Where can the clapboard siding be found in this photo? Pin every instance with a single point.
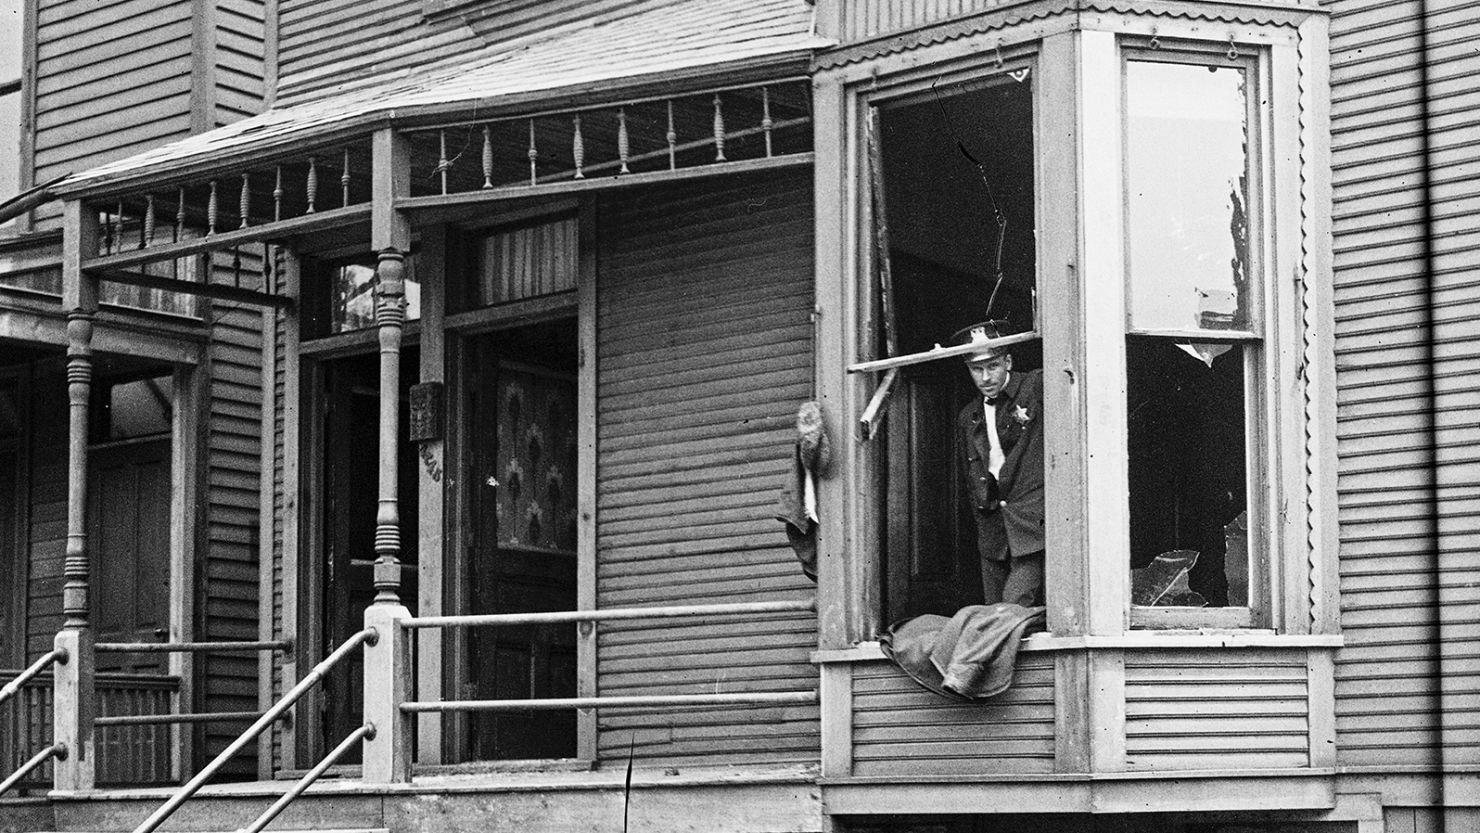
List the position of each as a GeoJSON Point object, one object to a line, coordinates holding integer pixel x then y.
{"type": "Point", "coordinates": [112, 80]}
{"type": "Point", "coordinates": [704, 354]}
{"type": "Point", "coordinates": [229, 579]}
{"type": "Point", "coordinates": [900, 728]}
{"type": "Point", "coordinates": [863, 19]}
{"type": "Point", "coordinates": [47, 538]}
{"type": "Point", "coordinates": [1185, 710]}
{"type": "Point", "coordinates": [1408, 350]}
{"type": "Point", "coordinates": [331, 43]}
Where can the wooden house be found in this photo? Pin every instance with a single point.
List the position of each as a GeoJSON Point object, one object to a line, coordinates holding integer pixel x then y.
{"type": "Point", "coordinates": [489, 337]}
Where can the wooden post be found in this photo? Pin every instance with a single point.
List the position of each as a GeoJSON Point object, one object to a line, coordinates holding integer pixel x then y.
{"type": "Point", "coordinates": [390, 316]}
{"type": "Point", "coordinates": [431, 496]}
{"type": "Point", "coordinates": [390, 236]}
{"type": "Point", "coordinates": [387, 753]}
{"type": "Point", "coordinates": [387, 680]}
{"type": "Point", "coordinates": [73, 706]}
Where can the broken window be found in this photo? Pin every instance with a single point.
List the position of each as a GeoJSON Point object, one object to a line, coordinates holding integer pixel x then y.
{"type": "Point", "coordinates": [952, 173]}
{"type": "Point", "coordinates": [1192, 345]}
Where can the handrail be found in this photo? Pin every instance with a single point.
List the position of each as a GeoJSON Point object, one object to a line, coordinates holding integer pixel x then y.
{"type": "Point", "coordinates": [365, 732]}
{"type": "Point", "coordinates": [759, 698]}
{"type": "Point", "coordinates": [179, 717]}
{"type": "Point", "coordinates": [563, 616]}
{"type": "Point", "coordinates": [56, 750]}
{"type": "Point", "coordinates": [190, 647]}
{"type": "Point", "coordinates": [14, 686]}
{"type": "Point", "coordinates": [268, 717]}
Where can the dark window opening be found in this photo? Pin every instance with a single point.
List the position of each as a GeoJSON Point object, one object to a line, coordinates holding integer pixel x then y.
{"type": "Point", "coordinates": [940, 220]}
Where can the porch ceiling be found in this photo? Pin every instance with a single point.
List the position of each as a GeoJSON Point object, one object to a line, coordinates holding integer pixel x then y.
{"type": "Point", "coordinates": [657, 43]}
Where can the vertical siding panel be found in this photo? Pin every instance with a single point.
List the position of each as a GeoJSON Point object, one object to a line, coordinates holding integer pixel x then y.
{"type": "Point", "coordinates": [1407, 429]}
{"type": "Point", "coordinates": [704, 353]}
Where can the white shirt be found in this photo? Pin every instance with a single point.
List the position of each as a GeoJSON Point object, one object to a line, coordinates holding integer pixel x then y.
{"type": "Point", "coordinates": [995, 457]}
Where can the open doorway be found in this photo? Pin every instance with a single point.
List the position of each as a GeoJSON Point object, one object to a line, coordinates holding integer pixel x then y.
{"type": "Point", "coordinates": [945, 217]}
{"type": "Point", "coordinates": [521, 414]}
{"type": "Point", "coordinates": [344, 585]}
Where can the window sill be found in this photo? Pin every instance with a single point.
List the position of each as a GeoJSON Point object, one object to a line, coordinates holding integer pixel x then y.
{"type": "Point", "coordinates": [870, 651]}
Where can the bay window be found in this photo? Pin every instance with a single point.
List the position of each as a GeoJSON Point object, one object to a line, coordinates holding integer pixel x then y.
{"type": "Point", "coordinates": [1144, 190]}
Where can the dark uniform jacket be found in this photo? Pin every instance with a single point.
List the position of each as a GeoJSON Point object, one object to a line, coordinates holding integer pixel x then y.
{"type": "Point", "coordinates": [1008, 510]}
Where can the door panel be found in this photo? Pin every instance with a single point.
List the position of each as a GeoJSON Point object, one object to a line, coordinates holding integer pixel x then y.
{"type": "Point", "coordinates": [129, 523]}
{"type": "Point", "coordinates": [522, 556]}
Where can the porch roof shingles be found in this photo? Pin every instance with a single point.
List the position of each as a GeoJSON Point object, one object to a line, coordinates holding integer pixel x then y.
{"type": "Point", "coordinates": [643, 45]}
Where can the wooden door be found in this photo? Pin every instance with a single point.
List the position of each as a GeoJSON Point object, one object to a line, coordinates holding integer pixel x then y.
{"type": "Point", "coordinates": [932, 563]}
{"type": "Point", "coordinates": [522, 554]}
{"type": "Point", "coordinates": [129, 545]}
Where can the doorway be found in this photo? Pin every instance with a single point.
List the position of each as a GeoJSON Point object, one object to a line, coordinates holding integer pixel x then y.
{"type": "Point", "coordinates": [128, 516]}
{"type": "Point", "coordinates": [344, 585]}
{"type": "Point", "coordinates": [520, 499]}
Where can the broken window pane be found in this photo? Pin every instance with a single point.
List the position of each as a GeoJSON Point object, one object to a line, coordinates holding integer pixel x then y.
{"type": "Point", "coordinates": [1188, 494]}
{"type": "Point", "coordinates": [935, 216]}
{"type": "Point", "coordinates": [1187, 196]}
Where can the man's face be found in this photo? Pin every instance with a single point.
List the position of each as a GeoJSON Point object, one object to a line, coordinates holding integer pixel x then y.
{"type": "Point", "coordinates": [990, 374]}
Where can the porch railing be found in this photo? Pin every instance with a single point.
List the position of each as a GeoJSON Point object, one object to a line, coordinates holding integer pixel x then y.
{"type": "Point", "coordinates": [368, 636]}
{"type": "Point", "coordinates": [134, 754]}
{"type": "Point", "coordinates": [387, 706]}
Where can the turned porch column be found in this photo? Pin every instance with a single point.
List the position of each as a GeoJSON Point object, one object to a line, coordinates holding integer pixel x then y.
{"type": "Point", "coordinates": [73, 704]}
{"type": "Point", "coordinates": [387, 752]}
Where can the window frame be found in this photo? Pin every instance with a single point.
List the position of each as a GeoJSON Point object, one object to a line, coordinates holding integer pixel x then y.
{"type": "Point", "coordinates": [1259, 431]}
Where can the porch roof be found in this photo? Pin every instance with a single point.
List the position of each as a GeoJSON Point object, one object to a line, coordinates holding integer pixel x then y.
{"type": "Point", "coordinates": [660, 42]}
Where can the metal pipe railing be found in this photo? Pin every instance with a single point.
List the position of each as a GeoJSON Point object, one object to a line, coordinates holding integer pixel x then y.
{"type": "Point", "coordinates": [268, 717]}
{"type": "Point", "coordinates": [56, 750]}
{"type": "Point", "coordinates": [190, 647]}
{"type": "Point", "coordinates": [630, 701]}
{"type": "Point", "coordinates": [13, 687]}
{"type": "Point", "coordinates": [161, 719]}
{"type": "Point", "coordinates": [614, 614]}
{"type": "Point", "coordinates": [365, 732]}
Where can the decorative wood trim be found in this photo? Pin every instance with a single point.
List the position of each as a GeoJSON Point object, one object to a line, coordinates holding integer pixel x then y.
{"type": "Point", "coordinates": [525, 311]}
{"type": "Point", "coordinates": [1284, 511]}
{"type": "Point", "coordinates": [1072, 739]}
{"type": "Point", "coordinates": [298, 524]}
{"type": "Point", "coordinates": [28, 105]}
{"type": "Point", "coordinates": [512, 192]}
{"type": "Point", "coordinates": [187, 452]}
{"type": "Point", "coordinates": [1100, 325]}
{"type": "Point", "coordinates": [1320, 325]}
{"type": "Point", "coordinates": [432, 497]}
{"type": "Point", "coordinates": [271, 35]}
{"type": "Point", "coordinates": [279, 231]}
{"type": "Point", "coordinates": [1186, 791]}
{"type": "Point", "coordinates": [1321, 707]}
{"type": "Point", "coordinates": [202, 65]}
{"type": "Point", "coordinates": [216, 291]}
{"type": "Point", "coordinates": [390, 182]}
{"type": "Point", "coordinates": [587, 683]}
{"type": "Point", "coordinates": [1105, 710]}
{"type": "Point", "coordinates": [837, 719]}
{"type": "Point", "coordinates": [1066, 581]}
{"type": "Point", "coordinates": [835, 314]}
